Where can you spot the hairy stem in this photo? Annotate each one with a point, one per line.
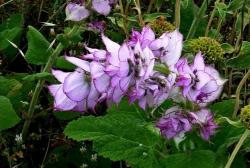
(241, 84)
(150, 5)
(210, 20)
(124, 19)
(138, 8)
(197, 19)
(236, 149)
(39, 87)
(177, 13)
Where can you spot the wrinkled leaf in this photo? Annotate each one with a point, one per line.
(8, 117)
(243, 58)
(38, 47)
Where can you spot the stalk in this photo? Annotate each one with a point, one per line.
(177, 13)
(124, 19)
(138, 8)
(244, 79)
(236, 149)
(237, 101)
(150, 5)
(39, 87)
(210, 20)
(197, 19)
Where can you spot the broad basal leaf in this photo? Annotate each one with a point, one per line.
(192, 159)
(38, 47)
(8, 117)
(119, 137)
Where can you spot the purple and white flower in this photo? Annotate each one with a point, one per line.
(200, 83)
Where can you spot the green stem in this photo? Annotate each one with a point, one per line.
(138, 8)
(150, 5)
(177, 13)
(210, 20)
(124, 19)
(197, 19)
(237, 101)
(236, 149)
(39, 87)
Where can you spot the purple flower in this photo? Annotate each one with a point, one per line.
(173, 124)
(200, 83)
(101, 6)
(75, 12)
(61, 102)
(82, 89)
(204, 120)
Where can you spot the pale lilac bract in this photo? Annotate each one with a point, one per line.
(75, 12)
(101, 6)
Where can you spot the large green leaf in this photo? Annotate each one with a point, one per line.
(8, 117)
(8, 35)
(15, 20)
(119, 137)
(224, 108)
(38, 47)
(10, 30)
(243, 58)
(192, 159)
(7, 86)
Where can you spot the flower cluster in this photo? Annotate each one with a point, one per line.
(145, 69)
(78, 12)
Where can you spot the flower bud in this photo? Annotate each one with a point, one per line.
(245, 116)
(161, 25)
(209, 47)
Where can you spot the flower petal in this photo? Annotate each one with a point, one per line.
(75, 86)
(79, 62)
(62, 102)
(59, 75)
(101, 6)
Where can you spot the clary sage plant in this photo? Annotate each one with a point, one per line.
(152, 98)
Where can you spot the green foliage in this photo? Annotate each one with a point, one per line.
(228, 48)
(192, 159)
(188, 14)
(119, 136)
(10, 30)
(61, 63)
(37, 76)
(243, 58)
(67, 40)
(223, 108)
(38, 47)
(235, 5)
(152, 16)
(66, 115)
(8, 117)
